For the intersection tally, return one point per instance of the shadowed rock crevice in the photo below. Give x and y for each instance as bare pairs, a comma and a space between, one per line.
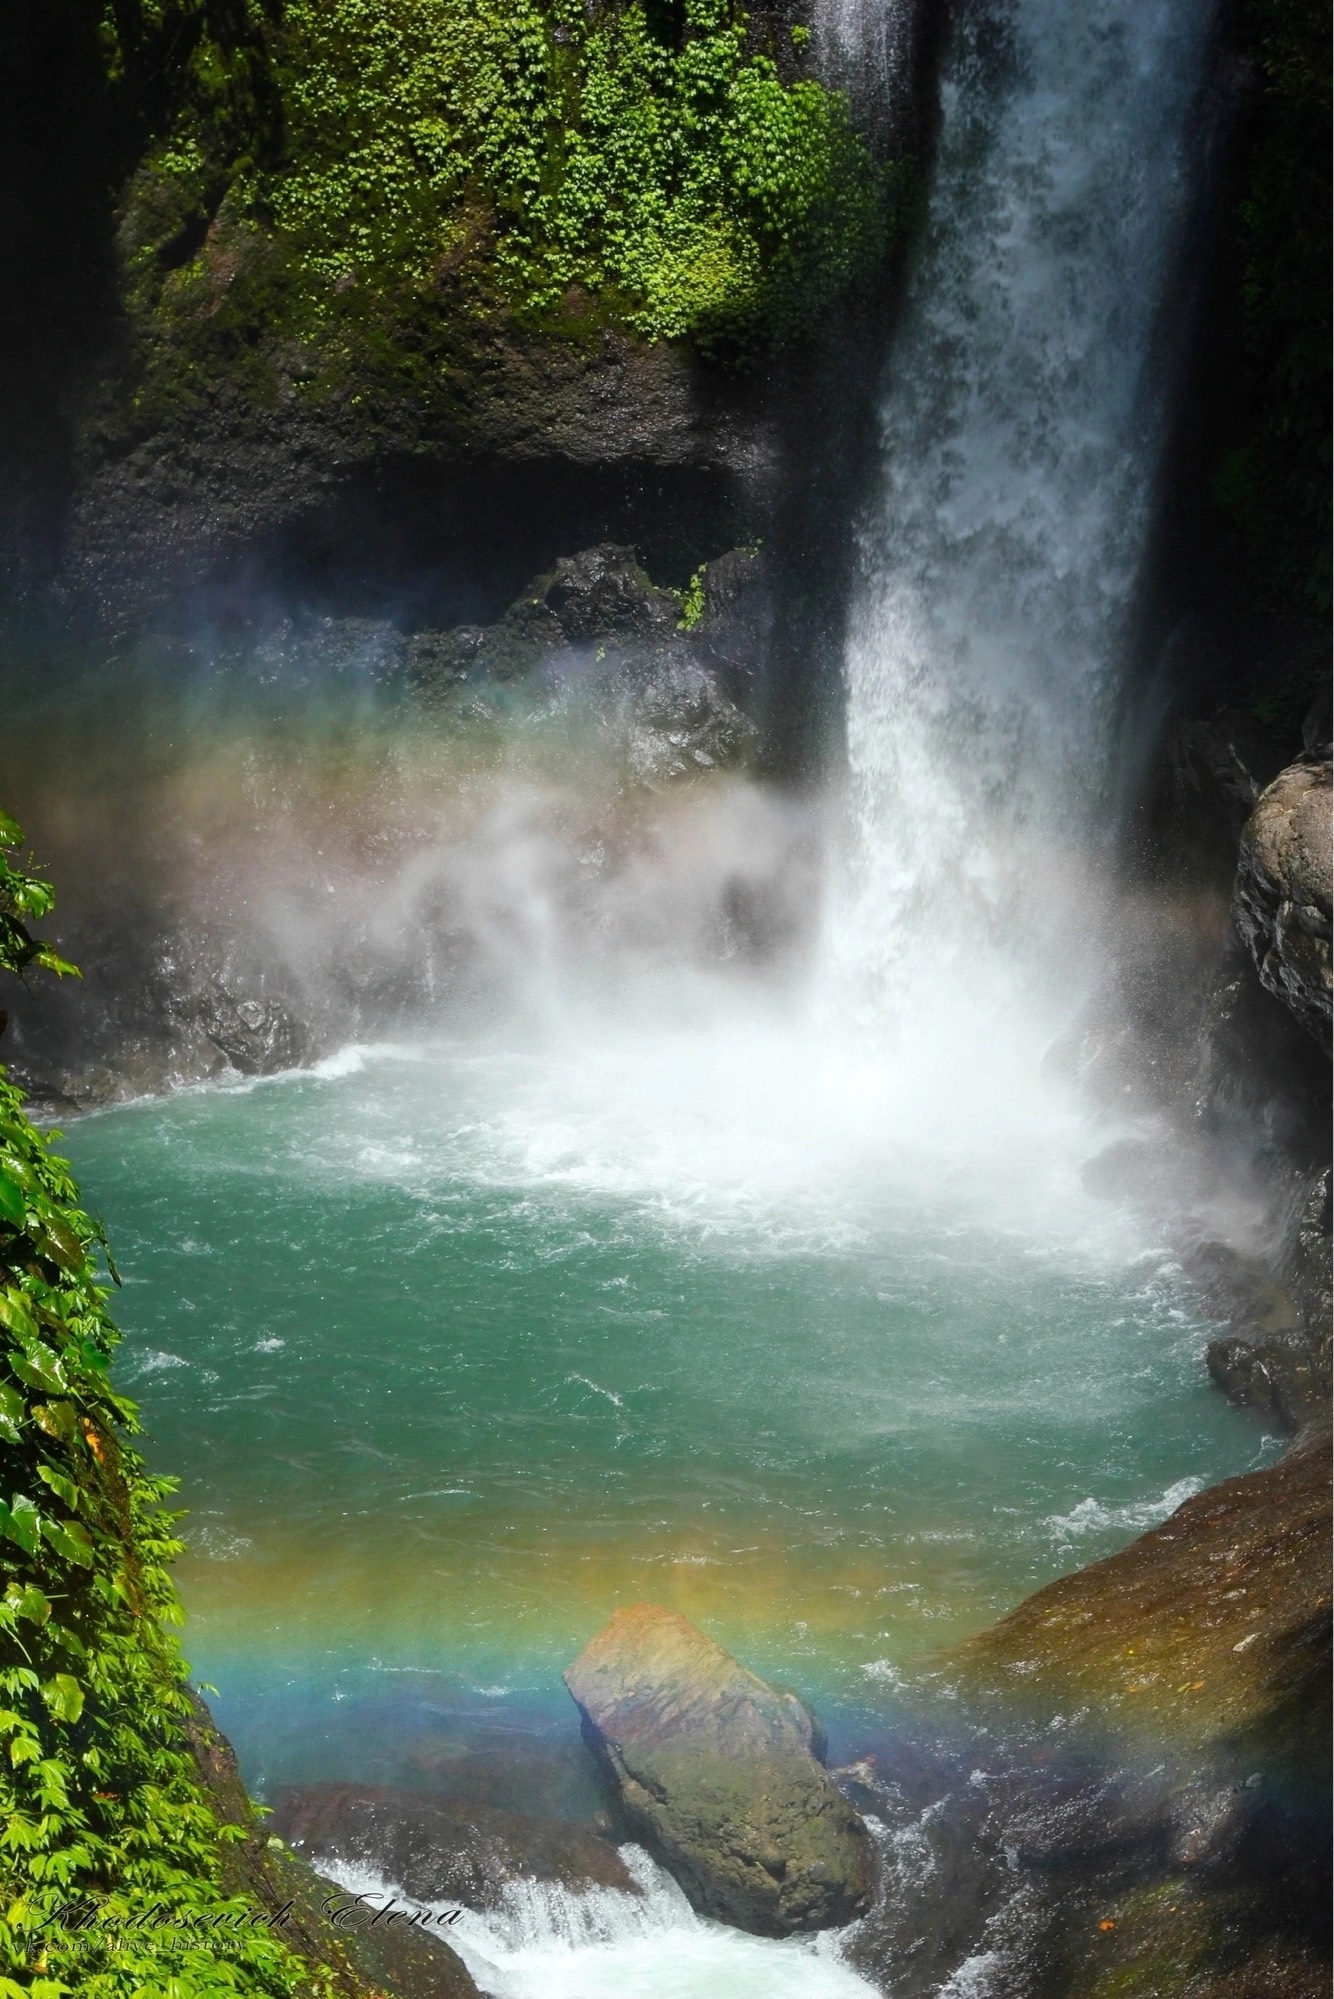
352, 1956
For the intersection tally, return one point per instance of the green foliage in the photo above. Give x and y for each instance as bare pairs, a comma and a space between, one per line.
687, 188
692, 601
1275, 481
99, 1802
24, 898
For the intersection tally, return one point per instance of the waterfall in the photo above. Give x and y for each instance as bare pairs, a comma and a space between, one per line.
1021, 422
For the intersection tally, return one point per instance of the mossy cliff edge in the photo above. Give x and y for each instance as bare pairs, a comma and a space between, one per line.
279, 247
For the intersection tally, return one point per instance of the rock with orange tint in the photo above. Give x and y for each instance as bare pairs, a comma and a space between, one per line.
718, 1773
1283, 892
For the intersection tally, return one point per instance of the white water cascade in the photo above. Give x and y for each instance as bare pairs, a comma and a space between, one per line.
1021, 419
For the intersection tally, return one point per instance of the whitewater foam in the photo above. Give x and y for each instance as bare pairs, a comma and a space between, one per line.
547, 1942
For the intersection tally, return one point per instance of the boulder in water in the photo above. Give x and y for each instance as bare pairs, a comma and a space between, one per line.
717, 1772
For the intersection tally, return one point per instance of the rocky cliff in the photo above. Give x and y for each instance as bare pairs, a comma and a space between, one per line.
398, 304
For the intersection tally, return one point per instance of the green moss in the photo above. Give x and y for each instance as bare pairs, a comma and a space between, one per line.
100, 1803
350, 175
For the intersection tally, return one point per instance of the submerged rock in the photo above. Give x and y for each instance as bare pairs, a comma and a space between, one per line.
348, 1952
717, 1773
1283, 892
445, 1851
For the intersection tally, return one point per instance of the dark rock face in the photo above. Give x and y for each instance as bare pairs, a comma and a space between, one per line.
356, 1960
1283, 893
531, 442
1207, 1030
1277, 1357
598, 617
717, 1772
1138, 1806
600, 597
737, 623
445, 1851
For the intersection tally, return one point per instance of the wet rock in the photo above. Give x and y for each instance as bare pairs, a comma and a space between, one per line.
1134, 1800
444, 1851
253, 1033
438, 661
356, 1960
1283, 892
597, 623
1211, 1626
1306, 1267
717, 1773
599, 600
736, 624
1278, 1355
603, 595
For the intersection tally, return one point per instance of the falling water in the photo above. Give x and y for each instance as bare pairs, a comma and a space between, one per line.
1021, 421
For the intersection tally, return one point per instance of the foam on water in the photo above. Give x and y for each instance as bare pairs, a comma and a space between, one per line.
1090, 1516
744, 1123
546, 1942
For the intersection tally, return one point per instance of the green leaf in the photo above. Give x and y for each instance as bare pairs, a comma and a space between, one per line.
11, 833
13, 1207
49, 962
59, 1237
58, 1419
20, 1521
64, 1488
40, 1368
14, 1315
34, 1605
12, 1410
64, 1696
69, 1539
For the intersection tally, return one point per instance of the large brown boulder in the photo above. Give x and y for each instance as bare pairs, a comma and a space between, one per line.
1130, 1793
1209, 1628
1283, 893
717, 1773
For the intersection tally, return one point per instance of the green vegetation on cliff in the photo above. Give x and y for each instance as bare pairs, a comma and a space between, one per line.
370, 186
101, 1807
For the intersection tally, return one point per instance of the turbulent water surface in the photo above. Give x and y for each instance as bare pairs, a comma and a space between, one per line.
459, 1346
